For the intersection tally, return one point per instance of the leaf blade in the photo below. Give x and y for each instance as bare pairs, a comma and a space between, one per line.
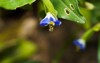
13, 4
63, 7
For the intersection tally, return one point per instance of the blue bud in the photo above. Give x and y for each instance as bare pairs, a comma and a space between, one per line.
80, 43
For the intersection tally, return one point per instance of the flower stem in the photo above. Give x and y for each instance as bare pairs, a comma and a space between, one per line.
87, 34
50, 7
90, 32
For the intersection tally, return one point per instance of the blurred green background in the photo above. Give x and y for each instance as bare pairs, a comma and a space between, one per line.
22, 40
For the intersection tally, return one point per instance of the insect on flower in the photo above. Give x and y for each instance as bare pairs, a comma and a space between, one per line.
80, 44
50, 21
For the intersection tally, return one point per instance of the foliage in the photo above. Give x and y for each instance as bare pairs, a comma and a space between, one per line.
86, 13
69, 10
13, 4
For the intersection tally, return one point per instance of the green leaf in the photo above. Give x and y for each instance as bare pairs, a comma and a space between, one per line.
26, 49
68, 9
23, 50
13, 4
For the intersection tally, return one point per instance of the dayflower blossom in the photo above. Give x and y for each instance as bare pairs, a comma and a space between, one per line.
51, 21
80, 43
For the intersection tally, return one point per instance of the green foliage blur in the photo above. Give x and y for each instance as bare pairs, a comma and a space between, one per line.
16, 46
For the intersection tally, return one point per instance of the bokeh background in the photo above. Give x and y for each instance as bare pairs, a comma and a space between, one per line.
23, 40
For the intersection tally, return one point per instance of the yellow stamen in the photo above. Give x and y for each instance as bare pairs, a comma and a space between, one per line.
51, 26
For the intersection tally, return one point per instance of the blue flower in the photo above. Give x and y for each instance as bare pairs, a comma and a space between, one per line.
80, 43
50, 20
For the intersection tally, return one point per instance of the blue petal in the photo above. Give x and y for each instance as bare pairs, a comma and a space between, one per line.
45, 22
57, 22
77, 43
52, 19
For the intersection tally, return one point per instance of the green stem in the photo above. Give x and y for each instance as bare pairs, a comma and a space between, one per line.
96, 27
87, 34
90, 32
50, 7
